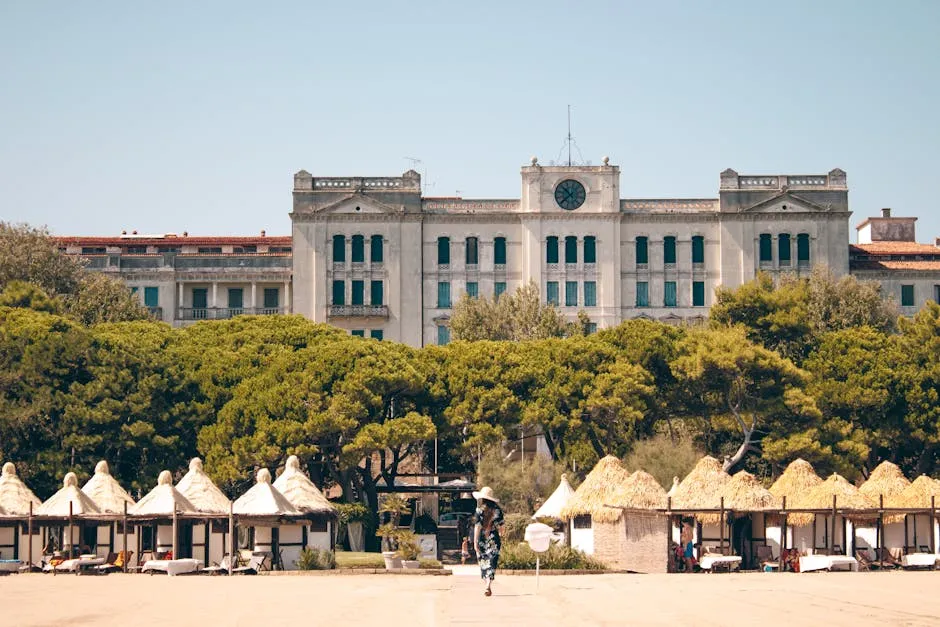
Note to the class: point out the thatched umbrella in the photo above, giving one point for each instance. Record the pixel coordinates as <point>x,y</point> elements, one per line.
<point>301,491</point>
<point>106,492</point>
<point>847,495</point>
<point>552,506</point>
<point>68,501</point>
<point>264,500</point>
<point>199,490</point>
<point>639,491</point>
<point>15,497</point>
<point>164,501</point>
<point>920,494</point>
<point>796,481</point>
<point>744,493</point>
<point>887,481</point>
<point>598,488</point>
<point>702,489</point>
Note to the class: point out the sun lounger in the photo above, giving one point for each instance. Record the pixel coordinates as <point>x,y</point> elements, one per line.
<point>253,567</point>
<point>765,558</point>
<point>809,563</point>
<point>714,562</point>
<point>10,566</point>
<point>864,561</point>
<point>171,567</point>
<point>918,560</point>
<point>115,563</point>
<point>74,565</point>
<point>220,568</point>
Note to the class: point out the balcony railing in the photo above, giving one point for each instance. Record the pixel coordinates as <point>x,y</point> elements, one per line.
<point>223,313</point>
<point>358,311</point>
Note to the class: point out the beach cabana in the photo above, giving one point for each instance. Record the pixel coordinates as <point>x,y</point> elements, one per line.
<point>749,501</point>
<point>587,505</point>
<point>157,517</point>
<point>318,530</point>
<point>17,502</point>
<point>261,511</point>
<point>921,527</point>
<point>59,515</point>
<point>552,506</point>
<point>885,483</point>
<point>113,502</point>
<point>637,537</point>
<point>796,481</point>
<point>209,532</point>
<point>700,495</point>
<point>833,530</point>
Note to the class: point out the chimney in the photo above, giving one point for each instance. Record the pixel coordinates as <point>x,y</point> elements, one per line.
<point>886,212</point>
<point>263,233</point>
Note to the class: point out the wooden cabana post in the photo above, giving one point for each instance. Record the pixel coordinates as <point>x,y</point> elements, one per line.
<point>29,538</point>
<point>231,533</point>
<point>174,543</point>
<point>933,522</point>
<point>71,544</point>
<point>783,535</point>
<point>832,538</point>
<point>721,526</point>
<point>881,531</point>
<point>124,544</point>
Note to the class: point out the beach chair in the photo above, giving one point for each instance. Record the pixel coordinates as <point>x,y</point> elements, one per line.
<point>115,562</point>
<point>254,566</point>
<point>218,568</point>
<point>141,560</point>
<point>886,557</point>
<point>864,562</point>
<point>765,558</point>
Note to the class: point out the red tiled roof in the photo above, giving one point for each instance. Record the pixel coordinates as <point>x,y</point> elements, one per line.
<point>894,248</point>
<point>178,240</point>
<point>874,264</point>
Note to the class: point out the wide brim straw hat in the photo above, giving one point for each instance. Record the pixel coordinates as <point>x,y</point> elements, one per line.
<point>486,493</point>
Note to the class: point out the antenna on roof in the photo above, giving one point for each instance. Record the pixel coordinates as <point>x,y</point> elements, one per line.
<point>425,182</point>
<point>414,162</point>
<point>569,143</point>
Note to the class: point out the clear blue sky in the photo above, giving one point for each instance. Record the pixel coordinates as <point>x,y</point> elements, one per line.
<point>193,116</point>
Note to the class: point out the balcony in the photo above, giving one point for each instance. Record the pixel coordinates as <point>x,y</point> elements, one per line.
<point>223,313</point>
<point>358,311</point>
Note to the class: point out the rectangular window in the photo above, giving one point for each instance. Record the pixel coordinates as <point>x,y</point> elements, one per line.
<point>443,334</point>
<point>443,251</point>
<point>376,252</point>
<point>472,256</point>
<point>571,293</point>
<point>766,248</point>
<point>582,521</point>
<point>551,293</point>
<point>698,249</point>
<point>139,250</point>
<point>669,294</point>
<point>571,249</point>
<point>377,293</point>
<point>271,298</point>
<point>936,293</point>
<point>591,328</point>
<point>358,249</point>
<point>590,249</point>
<point>339,292</point>
<point>152,296</point>
<point>247,248</point>
<point>200,298</point>
<point>473,289</point>
<point>669,249</point>
<point>358,292</point>
<point>168,249</point>
<point>590,294</point>
<point>642,294</point>
<point>551,249</point>
<point>499,288</point>
<point>642,250</point>
<point>907,296</point>
<point>698,293</point>
<point>358,332</point>
<point>339,248</point>
<point>377,334</point>
<point>94,250</point>
<point>802,248</point>
<point>443,295</point>
<point>210,250</point>
<point>499,251</point>
<point>783,252</point>
<point>236,298</point>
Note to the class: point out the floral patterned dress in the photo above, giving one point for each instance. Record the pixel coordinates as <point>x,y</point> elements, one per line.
<point>490,543</point>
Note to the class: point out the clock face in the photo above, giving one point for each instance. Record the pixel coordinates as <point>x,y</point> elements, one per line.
<point>569,194</point>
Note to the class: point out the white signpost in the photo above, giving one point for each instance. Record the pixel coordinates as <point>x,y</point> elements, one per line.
<point>539,537</point>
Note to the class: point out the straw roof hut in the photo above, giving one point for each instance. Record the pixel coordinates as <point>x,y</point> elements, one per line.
<point>796,481</point>
<point>58,503</point>
<point>163,500</point>
<point>886,480</point>
<point>702,489</point>
<point>552,506</point>
<point>301,491</point>
<point>847,496</point>
<point>598,488</point>
<point>199,490</point>
<point>918,494</point>
<point>15,497</point>
<point>106,492</point>
<point>745,493</point>
<point>639,491</point>
<point>263,499</point>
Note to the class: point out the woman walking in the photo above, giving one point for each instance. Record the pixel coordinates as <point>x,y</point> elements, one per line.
<point>486,541</point>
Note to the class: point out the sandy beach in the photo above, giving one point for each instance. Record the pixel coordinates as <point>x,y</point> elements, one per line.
<point>893,598</point>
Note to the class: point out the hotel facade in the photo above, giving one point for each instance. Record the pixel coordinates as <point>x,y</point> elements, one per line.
<point>373,256</point>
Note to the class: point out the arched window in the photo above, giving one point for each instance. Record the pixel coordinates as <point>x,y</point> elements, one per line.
<point>472,254</point>
<point>783,252</point>
<point>551,249</point>
<point>339,248</point>
<point>358,249</point>
<point>499,251</point>
<point>642,250</point>
<point>766,248</point>
<point>669,249</point>
<point>571,249</point>
<point>376,252</point>
<point>443,251</point>
<point>590,249</point>
<point>698,249</point>
<point>802,249</point>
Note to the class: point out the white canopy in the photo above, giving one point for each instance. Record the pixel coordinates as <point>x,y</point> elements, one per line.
<point>263,499</point>
<point>201,492</point>
<point>106,492</point>
<point>301,491</point>
<point>15,497</point>
<point>163,500</point>
<point>58,503</point>
<point>551,508</point>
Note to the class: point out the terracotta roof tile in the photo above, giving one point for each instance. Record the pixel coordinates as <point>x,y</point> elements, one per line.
<point>873,264</point>
<point>896,248</point>
<point>137,240</point>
